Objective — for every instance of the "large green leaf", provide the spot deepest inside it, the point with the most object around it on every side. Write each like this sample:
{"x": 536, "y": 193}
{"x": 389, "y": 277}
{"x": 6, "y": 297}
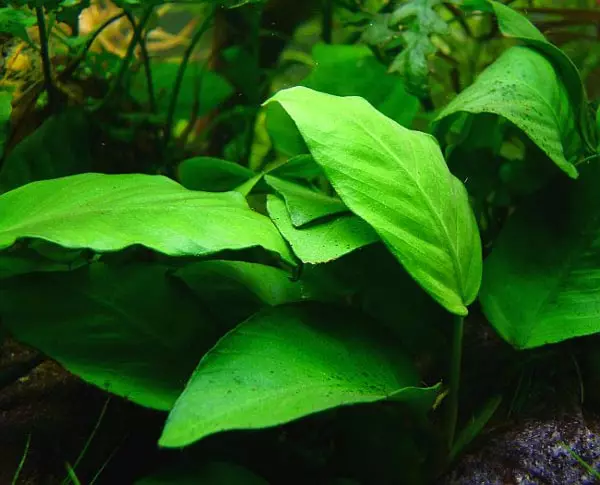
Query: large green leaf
{"x": 112, "y": 212}
{"x": 285, "y": 363}
{"x": 323, "y": 241}
{"x": 397, "y": 180}
{"x": 541, "y": 281}
{"x": 16, "y": 22}
{"x": 59, "y": 147}
{"x": 129, "y": 330}
{"x": 523, "y": 87}
{"x": 303, "y": 204}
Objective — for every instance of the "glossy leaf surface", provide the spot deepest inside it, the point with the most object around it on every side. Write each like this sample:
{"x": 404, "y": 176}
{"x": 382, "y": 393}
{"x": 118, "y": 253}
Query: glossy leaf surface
{"x": 285, "y": 363}
{"x": 397, "y": 180}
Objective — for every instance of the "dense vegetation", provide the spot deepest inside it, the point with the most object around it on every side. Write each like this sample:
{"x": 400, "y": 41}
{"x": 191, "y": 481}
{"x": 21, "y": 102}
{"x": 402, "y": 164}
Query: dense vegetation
{"x": 327, "y": 242}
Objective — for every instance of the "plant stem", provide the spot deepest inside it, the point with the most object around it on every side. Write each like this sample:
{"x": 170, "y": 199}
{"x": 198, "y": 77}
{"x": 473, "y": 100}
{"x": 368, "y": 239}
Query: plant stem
{"x": 457, "y": 340}
{"x": 46, "y": 65}
{"x": 327, "y": 25}
{"x": 137, "y": 34}
{"x": 147, "y": 68}
{"x": 180, "y": 74}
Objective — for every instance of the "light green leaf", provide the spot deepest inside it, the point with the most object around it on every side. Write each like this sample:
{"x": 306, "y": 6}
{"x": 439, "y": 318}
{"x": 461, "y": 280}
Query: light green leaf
{"x": 128, "y": 330}
{"x": 541, "y": 282}
{"x": 112, "y": 212}
{"x": 323, "y": 241}
{"x": 300, "y": 167}
{"x": 305, "y": 205}
{"x": 513, "y": 24}
{"x": 212, "y": 174}
{"x": 288, "y": 362}
{"x": 523, "y": 87}
{"x": 397, "y": 180}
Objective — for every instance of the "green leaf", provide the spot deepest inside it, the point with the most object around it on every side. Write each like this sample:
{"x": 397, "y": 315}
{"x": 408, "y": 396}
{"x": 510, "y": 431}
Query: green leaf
{"x": 305, "y": 205}
{"x": 323, "y": 241}
{"x": 285, "y": 363}
{"x": 300, "y": 167}
{"x": 214, "y": 473}
{"x": 523, "y": 87}
{"x": 113, "y": 212}
{"x": 5, "y": 113}
{"x": 540, "y": 282}
{"x": 59, "y": 147}
{"x": 235, "y": 290}
{"x": 513, "y": 24}
{"x": 212, "y": 174}
{"x": 397, "y": 180}
{"x": 16, "y": 22}
{"x": 128, "y": 330}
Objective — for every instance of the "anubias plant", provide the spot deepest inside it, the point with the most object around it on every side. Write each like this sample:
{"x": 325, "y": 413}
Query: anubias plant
{"x": 272, "y": 292}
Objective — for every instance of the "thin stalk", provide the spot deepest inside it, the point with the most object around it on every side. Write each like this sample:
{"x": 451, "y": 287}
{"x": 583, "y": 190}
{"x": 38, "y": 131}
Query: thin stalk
{"x": 455, "y": 365}
{"x": 88, "y": 45}
{"x": 327, "y": 25}
{"x": 137, "y": 34}
{"x": 19, "y": 469}
{"x": 147, "y": 68}
{"x": 180, "y": 74}
{"x": 45, "y": 54}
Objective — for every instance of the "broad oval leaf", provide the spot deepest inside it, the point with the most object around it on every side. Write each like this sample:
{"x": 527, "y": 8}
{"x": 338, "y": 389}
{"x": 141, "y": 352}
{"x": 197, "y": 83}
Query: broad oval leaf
{"x": 322, "y": 241}
{"x": 212, "y": 174}
{"x": 128, "y": 330}
{"x": 285, "y": 363}
{"x": 523, "y": 87}
{"x": 112, "y": 212}
{"x": 541, "y": 282}
{"x": 397, "y": 180}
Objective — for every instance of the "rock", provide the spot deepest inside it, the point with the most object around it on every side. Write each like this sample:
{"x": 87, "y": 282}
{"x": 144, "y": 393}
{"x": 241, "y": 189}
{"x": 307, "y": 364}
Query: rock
{"x": 544, "y": 452}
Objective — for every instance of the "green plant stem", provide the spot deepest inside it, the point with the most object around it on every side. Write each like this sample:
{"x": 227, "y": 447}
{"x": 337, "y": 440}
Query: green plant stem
{"x": 147, "y": 67}
{"x": 19, "y": 469}
{"x": 456, "y": 358}
{"x": 327, "y": 26}
{"x": 45, "y": 54}
{"x": 88, "y": 45}
{"x": 137, "y": 34}
{"x": 180, "y": 74}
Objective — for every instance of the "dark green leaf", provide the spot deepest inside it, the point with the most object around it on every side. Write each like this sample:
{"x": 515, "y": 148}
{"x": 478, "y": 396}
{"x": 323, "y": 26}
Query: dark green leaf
{"x": 212, "y": 174}
{"x": 5, "y": 112}
{"x": 59, "y": 147}
{"x": 288, "y": 362}
{"x": 16, "y": 22}
{"x": 540, "y": 282}
{"x": 396, "y": 180}
{"x": 128, "y": 330}
{"x": 113, "y": 212}
{"x": 301, "y": 167}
